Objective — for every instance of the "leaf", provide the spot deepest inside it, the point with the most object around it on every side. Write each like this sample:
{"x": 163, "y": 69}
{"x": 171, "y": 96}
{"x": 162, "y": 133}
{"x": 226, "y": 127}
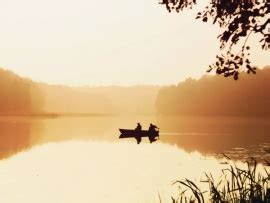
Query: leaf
{"x": 235, "y": 76}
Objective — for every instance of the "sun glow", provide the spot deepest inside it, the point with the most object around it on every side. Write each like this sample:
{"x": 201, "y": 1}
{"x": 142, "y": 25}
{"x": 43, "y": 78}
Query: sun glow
{"x": 106, "y": 43}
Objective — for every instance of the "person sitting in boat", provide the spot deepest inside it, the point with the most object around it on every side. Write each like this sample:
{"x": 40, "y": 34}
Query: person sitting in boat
{"x": 153, "y": 128}
{"x": 152, "y": 132}
{"x": 138, "y": 129}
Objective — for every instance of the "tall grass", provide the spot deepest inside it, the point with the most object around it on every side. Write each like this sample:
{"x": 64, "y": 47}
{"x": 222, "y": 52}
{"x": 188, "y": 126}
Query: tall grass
{"x": 237, "y": 185}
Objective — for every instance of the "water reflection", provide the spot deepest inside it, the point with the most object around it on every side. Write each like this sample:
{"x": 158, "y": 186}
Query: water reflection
{"x": 212, "y": 135}
{"x": 237, "y": 137}
{"x": 14, "y": 136}
{"x": 82, "y": 159}
{"x": 95, "y": 171}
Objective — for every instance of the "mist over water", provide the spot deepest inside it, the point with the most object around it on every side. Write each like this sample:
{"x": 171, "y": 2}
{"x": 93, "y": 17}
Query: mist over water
{"x": 236, "y": 136}
{"x": 81, "y": 159}
{"x": 61, "y": 144}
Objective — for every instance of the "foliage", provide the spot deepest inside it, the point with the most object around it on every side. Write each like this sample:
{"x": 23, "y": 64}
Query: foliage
{"x": 239, "y": 19}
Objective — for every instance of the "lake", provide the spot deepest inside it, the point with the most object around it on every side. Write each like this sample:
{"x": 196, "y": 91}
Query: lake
{"x": 81, "y": 159}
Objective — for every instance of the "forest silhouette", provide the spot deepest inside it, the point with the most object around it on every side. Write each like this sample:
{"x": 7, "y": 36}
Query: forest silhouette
{"x": 24, "y": 97}
{"x": 218, "y": 96}
{"x": 207, "y": 96}
{"x": 19, "y": 96}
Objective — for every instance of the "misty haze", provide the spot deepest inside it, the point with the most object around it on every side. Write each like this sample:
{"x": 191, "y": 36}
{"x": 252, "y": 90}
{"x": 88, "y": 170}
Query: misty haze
{"x": 134, "y": 101}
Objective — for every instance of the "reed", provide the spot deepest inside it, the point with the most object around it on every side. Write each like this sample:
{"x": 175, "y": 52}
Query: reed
{"x": 236, "y": 185}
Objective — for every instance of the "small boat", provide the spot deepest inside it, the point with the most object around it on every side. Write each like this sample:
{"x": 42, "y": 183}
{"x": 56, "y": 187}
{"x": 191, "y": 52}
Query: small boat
{"x": 138, "y": 134}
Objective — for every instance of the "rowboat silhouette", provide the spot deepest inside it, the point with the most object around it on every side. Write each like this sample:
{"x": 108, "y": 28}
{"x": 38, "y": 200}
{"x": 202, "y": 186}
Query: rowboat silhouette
{"x": 138, "y": 134}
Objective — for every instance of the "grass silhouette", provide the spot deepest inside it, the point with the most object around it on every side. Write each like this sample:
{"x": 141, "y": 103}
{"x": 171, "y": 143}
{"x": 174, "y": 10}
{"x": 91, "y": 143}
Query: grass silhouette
{"x": 236, "y": 185}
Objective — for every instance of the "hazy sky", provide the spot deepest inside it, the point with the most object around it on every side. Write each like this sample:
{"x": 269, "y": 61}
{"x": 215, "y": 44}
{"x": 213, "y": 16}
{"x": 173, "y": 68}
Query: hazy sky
{"x": 91, "y": 42}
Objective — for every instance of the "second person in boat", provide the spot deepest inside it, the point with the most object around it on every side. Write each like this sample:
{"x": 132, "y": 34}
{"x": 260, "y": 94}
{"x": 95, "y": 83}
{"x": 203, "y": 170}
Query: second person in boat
{"x": 153, "y": 132}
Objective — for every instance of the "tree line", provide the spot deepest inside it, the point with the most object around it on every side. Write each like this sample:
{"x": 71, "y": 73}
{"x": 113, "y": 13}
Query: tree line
{"x": 215, "y": 95}
{"x": 18, "y": 95}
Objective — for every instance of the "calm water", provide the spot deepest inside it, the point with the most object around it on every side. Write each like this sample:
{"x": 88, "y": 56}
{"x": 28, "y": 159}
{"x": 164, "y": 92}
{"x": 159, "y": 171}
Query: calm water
{"x": 82, "y": 160}
{"x": 210, "y": 136}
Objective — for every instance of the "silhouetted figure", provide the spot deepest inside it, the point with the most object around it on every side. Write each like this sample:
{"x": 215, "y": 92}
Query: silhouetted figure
{"x": 139, "y": 127}
{"x": 138, "y": 130}
{"x": 152, "y": 132}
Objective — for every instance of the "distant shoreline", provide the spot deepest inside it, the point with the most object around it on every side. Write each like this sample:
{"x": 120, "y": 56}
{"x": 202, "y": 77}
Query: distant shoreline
{"x": 55, "y": 115}
{"x": 85, "y": 115}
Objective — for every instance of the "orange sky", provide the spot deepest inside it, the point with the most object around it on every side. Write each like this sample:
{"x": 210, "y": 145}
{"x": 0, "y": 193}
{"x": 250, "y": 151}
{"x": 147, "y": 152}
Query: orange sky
{"x": 120, "y": 42}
